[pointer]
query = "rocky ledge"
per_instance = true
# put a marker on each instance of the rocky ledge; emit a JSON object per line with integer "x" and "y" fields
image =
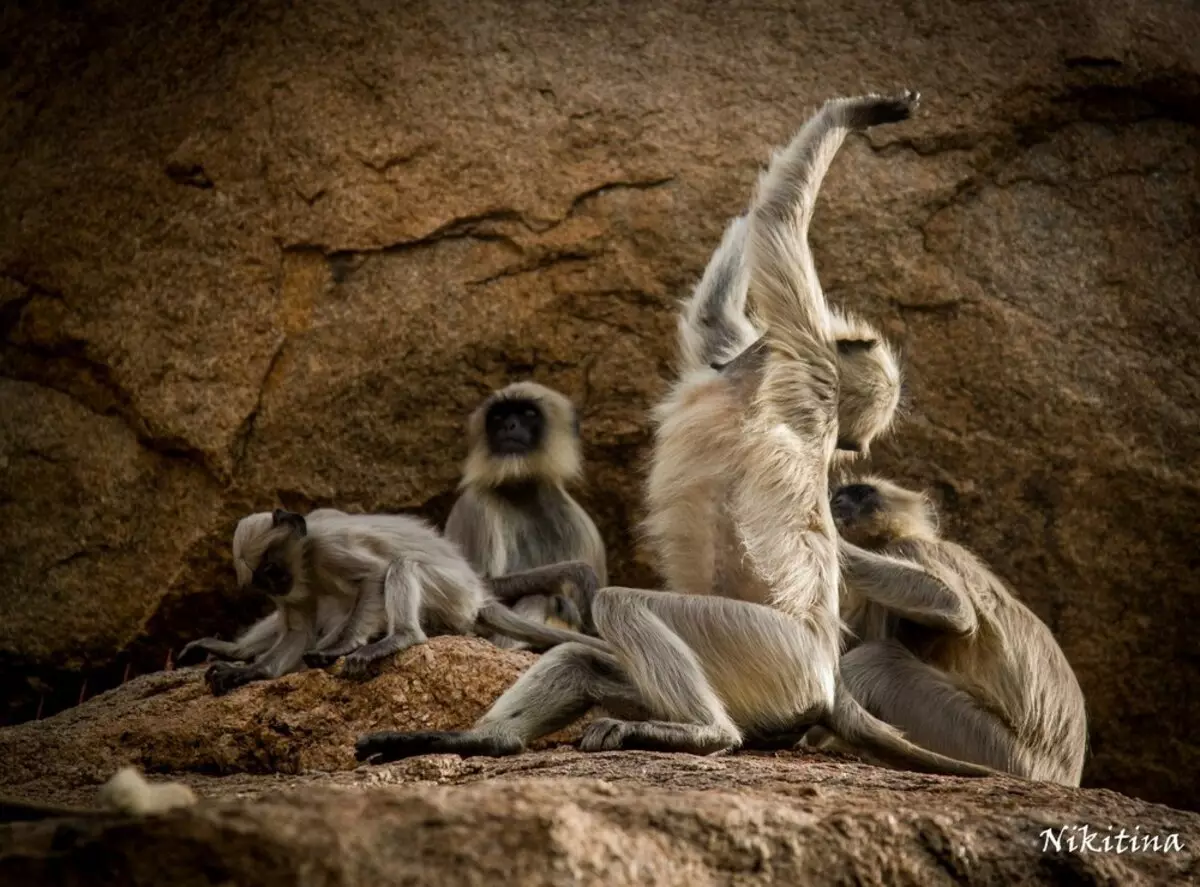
{"x": 283, "y": 801}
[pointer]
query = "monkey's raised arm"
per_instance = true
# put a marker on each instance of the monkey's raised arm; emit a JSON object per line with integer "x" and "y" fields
{"x": 907, "y": 589}
{"x": 784, "y": 291}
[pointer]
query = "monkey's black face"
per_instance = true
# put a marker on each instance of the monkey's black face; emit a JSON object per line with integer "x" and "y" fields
{"x": 272, "y": 576}
{"x": 514, "y": 427}
{"x": 854, "y": 503}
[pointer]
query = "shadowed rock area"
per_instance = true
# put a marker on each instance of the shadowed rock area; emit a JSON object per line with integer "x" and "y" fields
{"x": 613, "y": 818}
{"x": 272, "y": 254}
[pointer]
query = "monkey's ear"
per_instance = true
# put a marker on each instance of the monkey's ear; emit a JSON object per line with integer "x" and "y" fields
{"x": 852, "y": 346}
{"x": 290, "y": 518}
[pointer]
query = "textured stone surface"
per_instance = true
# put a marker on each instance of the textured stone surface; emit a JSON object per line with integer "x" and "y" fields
{"x": 613, "y": 819}
{"x": 257, "y": 254}
{"x": 169, "y": 722}
{"x": 283, "y": 801}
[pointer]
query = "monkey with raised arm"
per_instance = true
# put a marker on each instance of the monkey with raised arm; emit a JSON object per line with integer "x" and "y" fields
{"x": 698, "y": 673}
{"x": 945, "y": 651}
{"x": 686, "y": 525}
{"x": 341, "y": 580}
{"x": 514, "y": 512}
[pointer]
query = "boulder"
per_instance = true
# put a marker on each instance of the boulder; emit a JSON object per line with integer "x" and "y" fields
{"x": 615, "y": 818}
{"x": 273, "y": 253}
{"x": 282, "y": 800}
{"x": 169, "y": 722}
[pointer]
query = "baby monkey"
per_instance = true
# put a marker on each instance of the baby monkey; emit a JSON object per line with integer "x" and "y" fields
{"x": 947, "y": 653}
{"x": 339, "y": 580}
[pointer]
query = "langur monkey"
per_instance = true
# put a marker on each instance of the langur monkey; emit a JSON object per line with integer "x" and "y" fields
{"x": 700, "y": 672}
{"x": 515, "y": 514}
{"x": 339, "y": 579}
{"x": 685, "y": 525}
{"x": 946, "y": 653}
{"x": 714, "y": 328}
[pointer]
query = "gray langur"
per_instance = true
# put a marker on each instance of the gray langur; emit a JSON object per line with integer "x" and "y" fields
{"x": 338, "y": 580}
{"x": 515, "y": 514}
{"x": 945, "y": 651}
{"x": 699, "y": 673}
{"x": 686, "y": 526}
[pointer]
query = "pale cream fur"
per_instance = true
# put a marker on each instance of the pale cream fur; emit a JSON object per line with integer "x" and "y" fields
{"x": 559, "y": 458}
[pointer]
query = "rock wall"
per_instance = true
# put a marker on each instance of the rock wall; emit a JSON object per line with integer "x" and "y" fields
{"x": 273, "y": 253}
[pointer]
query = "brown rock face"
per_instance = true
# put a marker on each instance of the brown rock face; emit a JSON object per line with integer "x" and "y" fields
{"x": 565, "y": 818}
{"x": 283, "y": 802}
{"x": 271, "y": 253}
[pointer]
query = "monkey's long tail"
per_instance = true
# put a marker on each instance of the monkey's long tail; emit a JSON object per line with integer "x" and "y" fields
{"x": 498, "y": 618}
{"x": 857, "y": 726}
{"x": 713, "y": 326}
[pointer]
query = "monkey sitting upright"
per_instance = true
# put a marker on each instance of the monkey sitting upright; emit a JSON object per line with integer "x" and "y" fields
{"x": 339, "y": 580}
{"x": 514, "y": 513}
{"x": 947, "y": 653}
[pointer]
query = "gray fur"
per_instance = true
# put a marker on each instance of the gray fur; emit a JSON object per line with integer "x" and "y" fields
{"x": 697, "y": 672}
{"x": 515, "y": 514}
{"x": 364, "y": 587}
{"x": 946, "y": 653}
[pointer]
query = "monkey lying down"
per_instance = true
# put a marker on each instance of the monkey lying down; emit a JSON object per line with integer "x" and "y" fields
{"x": 339, "y": 580}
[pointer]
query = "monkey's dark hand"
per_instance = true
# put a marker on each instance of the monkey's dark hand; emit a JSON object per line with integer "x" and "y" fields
{"x": 320, "y": 658}
{"x": 223, "y": 677}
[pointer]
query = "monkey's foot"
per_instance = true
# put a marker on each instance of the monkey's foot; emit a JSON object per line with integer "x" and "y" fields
{"x": 222, "y": 677}
{"x": 359, "y": 665}
{"x": 611, "y": 734}
{"x": 321, "y": 658}
{"x": 380, "y": 748}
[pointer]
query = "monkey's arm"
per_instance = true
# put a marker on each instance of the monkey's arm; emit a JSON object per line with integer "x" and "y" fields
{"x": 713, "y": 326}
{"x": 551, "y": 579}
{"x": 285, "y": 656}
{"x": 576, "y": 580}
{"x": 784, "y": 290}
{"x": 907, "y": 589}
{"x": 468, "y": 528}
{"x": 354, "y": 630}
{"x": 258, "y": 638}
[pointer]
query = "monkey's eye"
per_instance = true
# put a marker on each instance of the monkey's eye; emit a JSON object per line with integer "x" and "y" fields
{"x": 531, "y": 414}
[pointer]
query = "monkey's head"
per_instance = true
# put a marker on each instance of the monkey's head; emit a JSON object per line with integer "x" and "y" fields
{"x": 874, "y": 512}
{"x": 870, "y": 384}
{"x": 524, "y": 431}
{"x": 266, "y": 550}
